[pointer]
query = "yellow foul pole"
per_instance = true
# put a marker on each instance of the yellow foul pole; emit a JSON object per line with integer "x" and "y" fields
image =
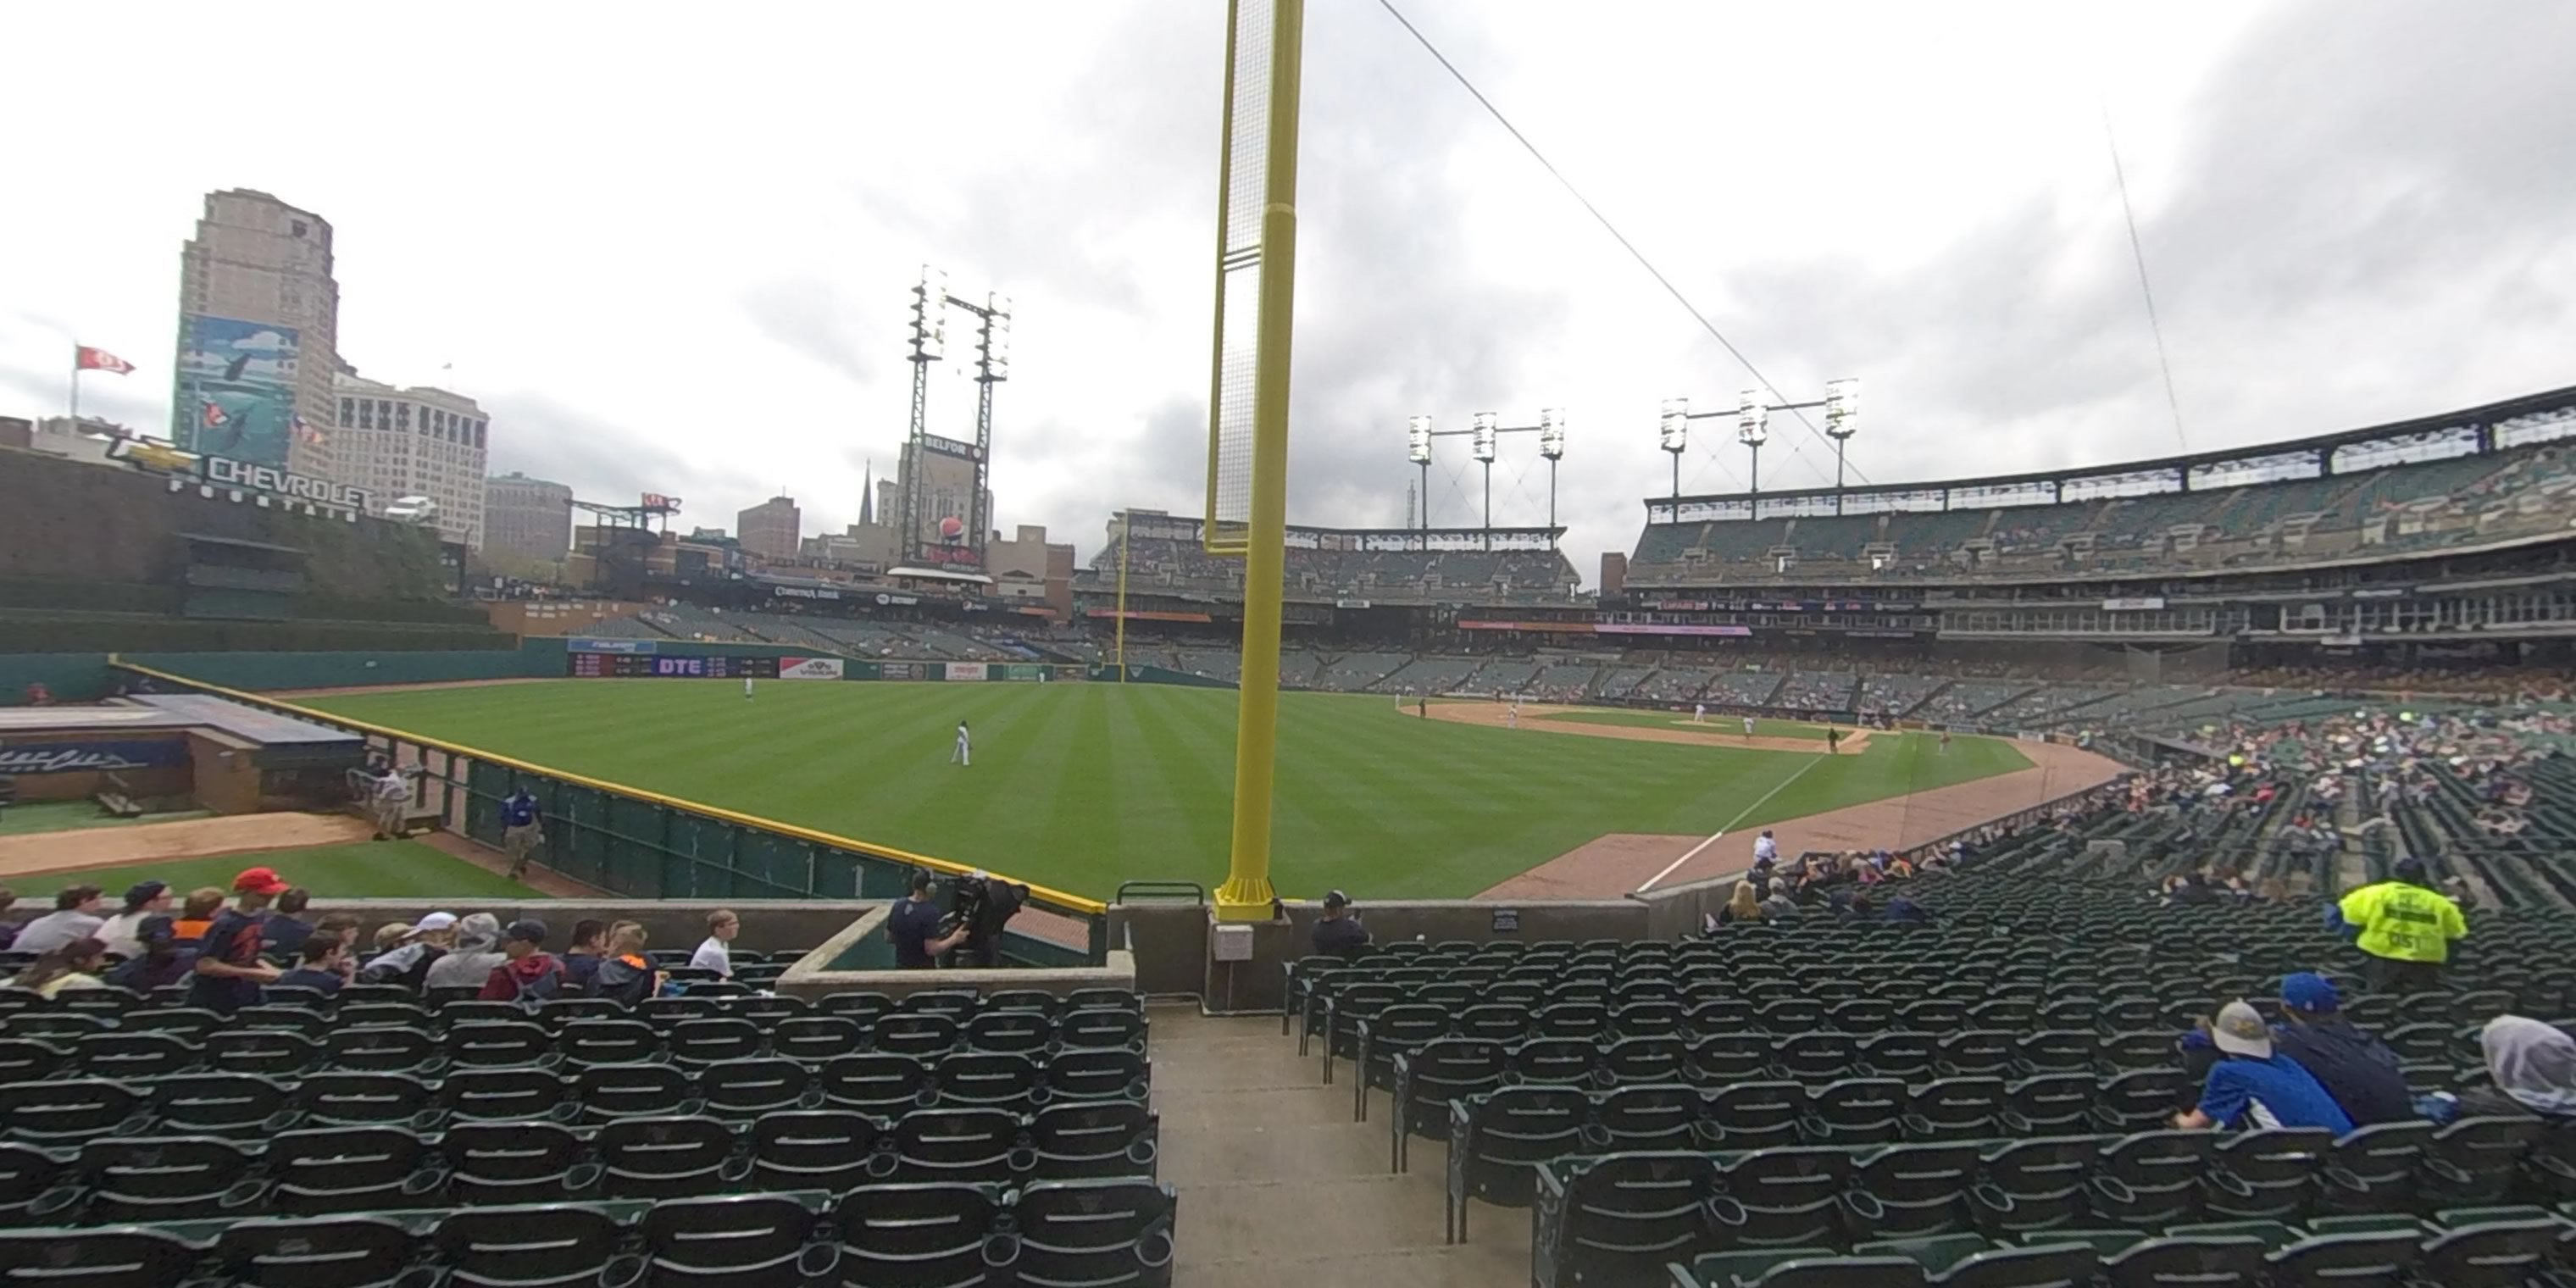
{"x": 1126, "y": 540}
{"x": 1247, "y": 893}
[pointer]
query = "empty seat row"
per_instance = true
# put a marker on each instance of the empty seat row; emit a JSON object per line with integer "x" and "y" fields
{"x": 1632, "y": 1212}
{"x": 63, "y": 1110}
{"x": 170, "y": 1176}
{"x": 87, "y": 1009}
{"x": 284, "y": 1040}
{"x": 1095, "y": 1232}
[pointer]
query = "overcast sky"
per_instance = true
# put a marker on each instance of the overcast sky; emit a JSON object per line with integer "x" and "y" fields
{"x": 670, "y": 250}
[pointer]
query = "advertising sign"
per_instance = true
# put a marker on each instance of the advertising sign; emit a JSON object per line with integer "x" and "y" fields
{"x": 610, "y": 646}
{"x": 2134, "y": 604}
{"x": 899, "y": 670}
{"x": 236, "y": 389}
{"x": 650, "y": 666}
{"x": 84, "y": 757}
{"x": 809, "y": 668}
{"x": 966, "y": 671}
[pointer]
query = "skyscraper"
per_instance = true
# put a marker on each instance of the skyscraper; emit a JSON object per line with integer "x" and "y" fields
{"x": 259, "y": 335}
{"x": 414, "y": 442}
{"x": 770, "y": 529}
{"x": 530, "y": 518}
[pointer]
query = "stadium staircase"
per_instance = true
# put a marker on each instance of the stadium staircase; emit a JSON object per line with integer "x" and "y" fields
{"x": 1280, "y": 1189}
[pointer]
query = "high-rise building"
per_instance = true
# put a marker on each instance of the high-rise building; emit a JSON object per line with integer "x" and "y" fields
{"x": 771, "y": 528}
{"x": 529, "y": 518}
{"x": 259, "y": 335}
{"x": 427, "y": 442}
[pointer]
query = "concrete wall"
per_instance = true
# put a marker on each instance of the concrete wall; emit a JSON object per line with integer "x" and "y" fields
{"x": 814, "y": 979}
{"x": 1169, "y": 941}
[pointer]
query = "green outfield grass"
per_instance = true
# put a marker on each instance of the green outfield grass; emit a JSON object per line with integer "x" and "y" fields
{"x": 1081, "y": 786}
{"x": 365, "y": 870}
{"x": 1716, "y": 724}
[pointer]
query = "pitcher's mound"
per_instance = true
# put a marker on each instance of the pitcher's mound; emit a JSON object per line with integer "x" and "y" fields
{"x": 1613, "y": 861}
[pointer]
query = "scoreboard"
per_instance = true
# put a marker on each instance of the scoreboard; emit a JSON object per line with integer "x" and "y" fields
{"x": 655, "y": 665}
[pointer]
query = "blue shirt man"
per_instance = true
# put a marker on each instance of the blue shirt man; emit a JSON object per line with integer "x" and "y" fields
{"x": 2251, "y": 1087}
{"x": 913, "y": 928}
{"x": 519, "y": 808}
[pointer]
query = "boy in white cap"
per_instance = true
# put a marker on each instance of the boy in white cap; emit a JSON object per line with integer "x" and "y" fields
{"x": 2252, "y": 1088}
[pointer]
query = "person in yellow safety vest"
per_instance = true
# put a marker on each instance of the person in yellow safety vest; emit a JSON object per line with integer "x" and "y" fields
{"x": 2405, "y": 927}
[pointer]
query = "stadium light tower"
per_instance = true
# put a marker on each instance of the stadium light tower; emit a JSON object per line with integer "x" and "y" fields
{"x": 930, "y": 304}
{"x": 1417, "y": 449}
{"x": 1842, "y": 420}
{"x": 1676, "y": 435}
{"x": 1753, "y": 429}
{"x": 1551, "y": 444}
{"x": 1487, "y": 423}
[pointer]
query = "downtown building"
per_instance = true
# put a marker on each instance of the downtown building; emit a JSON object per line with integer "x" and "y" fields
{"x": 259, "y": 336}
{"x": 424, "y": 442}
{"x": 771, "y": 529}
{"x": 527, "y": 518}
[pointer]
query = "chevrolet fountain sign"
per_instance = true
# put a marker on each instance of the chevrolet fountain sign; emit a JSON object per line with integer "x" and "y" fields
{"x": 226, "y": 472}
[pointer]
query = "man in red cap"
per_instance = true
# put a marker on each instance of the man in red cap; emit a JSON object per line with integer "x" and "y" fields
{"x": 229, "y": 971}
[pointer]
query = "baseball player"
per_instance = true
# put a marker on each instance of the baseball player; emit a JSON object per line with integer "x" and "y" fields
{"x": 1945, "y": 742}
{"x": 1512, "y": 716}
{"x": 1699, "y": 713}
{"x": 390, "y": 799}
{"x": 1748, "y": 726}
{"x": 965, "y": 751}
{"x": 746, "y": 688}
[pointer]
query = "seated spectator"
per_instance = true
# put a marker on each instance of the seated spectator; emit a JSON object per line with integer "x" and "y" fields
{"x": 287, "y": 930}
{"x": 73, "y": 965}
{"x": 528, "y": 974}
{"x": 722, "y": 926}
{"x": 317, "y": 966}
{"x": 2252, "y": 1087}
{"x": 1742, "y": 907}
{"x": 229, "y": 974}
{"x": 389, "y": 937}
{"x": 589, "y": 947}
{"x": 626, "y": 974}
{"x": 163, "y": 960}
{"x": 1903, "y": 911}
{"x": 197, "y": 913}
{"x": 75, "y": 916}
{"x": 143, "y": 901}
{"x": 2533, "y": 1066}
{"x": 476, "y": 955}
{"x": 421, "y": 946}
{"x": 2358, "y": 1070}
{"x": 8, "y": 929}
{"x": 1338, "y": 933}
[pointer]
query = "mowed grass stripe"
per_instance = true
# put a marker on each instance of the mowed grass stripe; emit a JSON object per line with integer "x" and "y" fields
{"x": 1082, "y": 786}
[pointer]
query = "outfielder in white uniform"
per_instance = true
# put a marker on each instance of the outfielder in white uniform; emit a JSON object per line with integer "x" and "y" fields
{"x": 1748, "y": 726}
{"x": 746, "y": 688}
{"x": 965, "y": 752}
{"x": 1699, "y": 713}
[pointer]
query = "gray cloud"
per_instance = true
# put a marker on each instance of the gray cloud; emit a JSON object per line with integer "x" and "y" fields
{"x": 611, "y": 463}
{"x": 812, "y": 318}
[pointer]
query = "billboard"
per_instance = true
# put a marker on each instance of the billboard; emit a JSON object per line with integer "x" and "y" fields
{"x": 236, "y": 389}
{"x": 86, "y": 757}
{"x": 809, "y": 668}
{"x": 966, "y": 671}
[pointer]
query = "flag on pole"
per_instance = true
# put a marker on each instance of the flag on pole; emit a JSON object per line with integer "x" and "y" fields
{"x": 89, "y": 359}
{"x": 213, "y": 415}
{"x": 304, "y": 431}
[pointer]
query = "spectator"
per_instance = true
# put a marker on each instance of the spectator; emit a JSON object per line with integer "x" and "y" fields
{"x": 912, "y": 926}
{"x": 588, "y": 948}
{"x": 143, "y": 901}
{"x": 389, "y": 801}
{"x": 477, "y": 954}
{"x": 626, "y": 975}
{"x": 1742, "y": 908}
{"x": 714, "y": 955}
{"x": 2534, "y": 1069}
{"x": 229, "y": 972}
{"x": 287, "y": 930}
{"x": 2251, "y": 1087}
{"x": 341, "y": 928}
{"x": 2358, "y": 1070}
{"x": 390, "y": 936}
{"x": 521, "y": 830}
{"x": 528, "y": 974}
{"x": 164, "y": 959}
{"x": 1903, "y": 911}
{"x": 419, "y": 947}
{"x": 317, "y": 966}
{"x": 2405, "y": 929}
{"x": 75, "y": 916}
{"x": 1338, "y": 933}
{"x": 8, "y": 929}
{"x": 197, "y": 913}
{"x": 72, "y": 965}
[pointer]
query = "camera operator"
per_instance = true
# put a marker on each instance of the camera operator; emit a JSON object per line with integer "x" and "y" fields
{"x": 980, "y": 906}
{"x": 915, "y": 928}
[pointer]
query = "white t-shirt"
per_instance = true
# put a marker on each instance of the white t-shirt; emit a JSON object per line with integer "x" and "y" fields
{"x": 122, "y": 933}
{"x": 712, "y": 955}
{"x": 1765, "y": 848}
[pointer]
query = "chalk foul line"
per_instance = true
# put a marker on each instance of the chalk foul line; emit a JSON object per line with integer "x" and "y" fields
{"x": 1740, "y": 816}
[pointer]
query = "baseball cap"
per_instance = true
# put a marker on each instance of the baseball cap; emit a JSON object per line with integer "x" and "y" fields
{"x": 527, "y": 930}
{"x": 2410, "y": 868}
{"x": 434, "y": 921}
{"x": 143, "y": 892}
{"x": 1336, "y": 899}
{"x": 2239, "y": 1030}
{"x": 2309, "y": 992}
{"x": 259, "y": 881}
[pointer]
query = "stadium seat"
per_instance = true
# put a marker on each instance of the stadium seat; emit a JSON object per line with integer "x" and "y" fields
{"x": 916, "y": 1033}
{"x": 68, "y": 1110}
{"x": 1498, "y": 1141}
{"x": 1011, "y": 1031}
{"x": 884, "y": 1085}
{"x": 748, "y": 1239}
{"x": 1621, "y": 1217}
{"x": 2372, "y": 1169}
{"x": 496, "y": 1044}
{"x": 1099, "y": 1075}
{"x": 2034, "y": 1184}
{"x": 1427, "y": 1080}
{"x": 1117, "y": 1028}
{"x": 702, "y": 1042}
{"x": 118, "y": 1055}
{"x": 217, "y": 1103}
{"x": 675, "y": 1157}
{"x": 2151, "y": 1179}
{"x": 944, "y": 1233}
{"x": 541, "y": 1246}
{"x": 2344, "y": 1261}
{"x": 317, "y": 1252}
{"x": 1911, "y": 1191}
{"x": 816, "y": 1039}
{"x": 110, "y": 1257}
{"x": 1095, "y": 1139}
{"x": 594, "y": 1042}
{"x": 505, "y": 1094}
{"x": 1111, "y": 1232}
{"x": 1855, "y": 1111}
{"x": 751, "y": 1087}
{"x": 2501, "y": 1254}
{"x": 1756, "y": 1115}
{"x": 1781, "y": 1198}
{"x": 978, "y": 1145}
{"x": 511, "y": 1163}
{"x": 347, "y": 1169}
{"x": 2475, "y": 1160}
{"x": 613, "y": 1091}
{"x": 166, "y": 1177}
{"x": 382, "y": 1048}
{"x": 2265, "y": 1175}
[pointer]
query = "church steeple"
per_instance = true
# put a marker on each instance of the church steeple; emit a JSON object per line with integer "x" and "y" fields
{"x": 868, "y": 495}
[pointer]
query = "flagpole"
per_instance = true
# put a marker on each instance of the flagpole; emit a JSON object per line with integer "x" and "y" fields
{"x": 76, "y": 370}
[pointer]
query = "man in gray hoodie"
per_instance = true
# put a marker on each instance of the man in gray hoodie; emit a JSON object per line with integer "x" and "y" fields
{"x": 478, "y": 953}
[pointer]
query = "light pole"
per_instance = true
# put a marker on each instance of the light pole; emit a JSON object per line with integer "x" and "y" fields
{"x": 1753, "y": 429}
{"x": 1417, "y": 448}
{"x": 1842, "y": 420}
{"x": 1486, "y": 433}
{"x": 930, "y": 304}
{"x": 1676, "y": 436}
{"x": 1551, "y": 444}
{"x": 1482, "y": 446}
